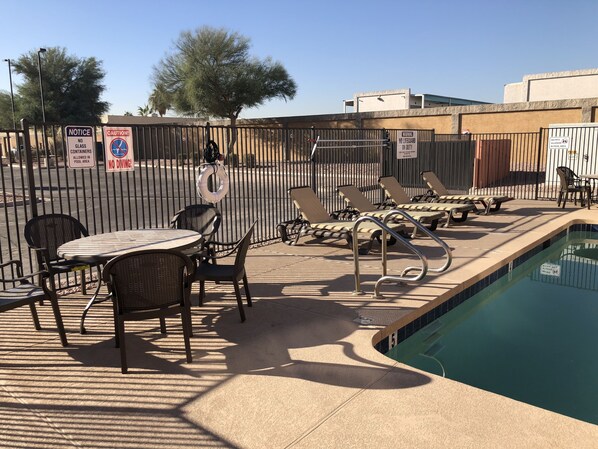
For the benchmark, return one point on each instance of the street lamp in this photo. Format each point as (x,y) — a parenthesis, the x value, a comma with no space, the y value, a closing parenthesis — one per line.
(12,97)
(41,84)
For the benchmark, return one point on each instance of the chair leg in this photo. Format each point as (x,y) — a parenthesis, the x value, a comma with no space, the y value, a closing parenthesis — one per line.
(34,316)
(115,313)
(246,285)
(162,325)
(189,319)
(202,291)
(123,353)
(83,283)
(58,318)
(239,301)
(187,333)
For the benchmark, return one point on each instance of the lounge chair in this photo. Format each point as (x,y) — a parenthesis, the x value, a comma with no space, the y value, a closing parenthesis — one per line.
(316,221)
(363,206)
(400,200)
(491,203)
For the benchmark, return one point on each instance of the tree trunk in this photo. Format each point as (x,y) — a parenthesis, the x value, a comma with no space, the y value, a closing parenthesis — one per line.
(233,136)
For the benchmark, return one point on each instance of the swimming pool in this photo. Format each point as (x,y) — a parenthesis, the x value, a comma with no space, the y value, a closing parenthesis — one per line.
(532,335)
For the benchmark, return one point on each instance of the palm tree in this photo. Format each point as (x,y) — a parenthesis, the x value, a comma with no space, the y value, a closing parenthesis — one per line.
(160,100)
(145,110)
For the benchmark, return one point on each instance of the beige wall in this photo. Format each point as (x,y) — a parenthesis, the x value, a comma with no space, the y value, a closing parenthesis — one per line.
(524,121)
(491,118)
(440,123)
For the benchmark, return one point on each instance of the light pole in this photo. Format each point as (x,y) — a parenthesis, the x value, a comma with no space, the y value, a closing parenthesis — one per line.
(12,97)
(41,83)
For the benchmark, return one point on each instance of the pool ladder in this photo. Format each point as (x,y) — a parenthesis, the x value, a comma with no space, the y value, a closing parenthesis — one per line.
(421,270)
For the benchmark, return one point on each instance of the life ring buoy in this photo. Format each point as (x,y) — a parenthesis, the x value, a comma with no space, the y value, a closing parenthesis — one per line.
(221,179)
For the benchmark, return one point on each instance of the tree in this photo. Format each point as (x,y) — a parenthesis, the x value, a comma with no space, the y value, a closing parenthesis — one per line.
(72,87)
(160,100)
(6,121)
(211,74)
(145,110)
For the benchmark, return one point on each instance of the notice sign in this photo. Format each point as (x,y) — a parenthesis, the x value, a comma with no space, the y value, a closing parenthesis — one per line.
(558,143)
(80,145)
(407,145)
(118,142)
(550,269)
(562,143)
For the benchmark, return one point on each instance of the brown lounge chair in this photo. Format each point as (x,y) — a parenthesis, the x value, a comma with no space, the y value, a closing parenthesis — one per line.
(400,200)
(491,203)
(360,203)
(316,221)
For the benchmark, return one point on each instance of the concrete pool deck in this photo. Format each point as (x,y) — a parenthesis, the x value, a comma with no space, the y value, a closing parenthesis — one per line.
(301,372)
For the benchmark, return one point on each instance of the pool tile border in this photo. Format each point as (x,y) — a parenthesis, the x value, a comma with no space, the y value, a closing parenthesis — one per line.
(386,344)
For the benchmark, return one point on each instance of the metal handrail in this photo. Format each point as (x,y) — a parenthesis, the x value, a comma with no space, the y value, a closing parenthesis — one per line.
(385,229)
(419,226)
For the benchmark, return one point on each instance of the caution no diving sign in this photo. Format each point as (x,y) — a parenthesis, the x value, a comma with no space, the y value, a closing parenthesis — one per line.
(118,143)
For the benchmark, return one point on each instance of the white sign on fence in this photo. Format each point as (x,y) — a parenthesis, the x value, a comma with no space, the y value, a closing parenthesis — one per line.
(562,143)
(407,145)
(80,146)
(118,143)
(559,143)
(550,269)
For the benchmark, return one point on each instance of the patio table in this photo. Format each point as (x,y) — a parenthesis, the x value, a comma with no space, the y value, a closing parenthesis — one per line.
(593,178)
(103,247)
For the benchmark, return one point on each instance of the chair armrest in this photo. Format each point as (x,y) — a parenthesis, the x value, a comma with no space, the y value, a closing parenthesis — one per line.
(19,268)
(388,202)
(348,213)
(425,197)
(16,262)
(45,257)
(213,243)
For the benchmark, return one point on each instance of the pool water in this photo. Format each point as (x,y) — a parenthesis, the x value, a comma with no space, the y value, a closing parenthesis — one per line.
(531,336)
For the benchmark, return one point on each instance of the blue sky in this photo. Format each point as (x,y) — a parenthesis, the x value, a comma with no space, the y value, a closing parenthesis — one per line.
(332,48)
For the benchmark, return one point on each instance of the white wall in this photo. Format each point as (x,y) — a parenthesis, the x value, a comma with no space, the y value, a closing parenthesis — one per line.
(553,86)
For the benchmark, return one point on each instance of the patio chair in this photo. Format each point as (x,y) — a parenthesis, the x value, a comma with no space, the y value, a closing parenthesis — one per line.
(317,222)
(202,218)
(572,184)
(24,293)
(490,203)
(234,272)
(398,199)
(45,233)
(149,284)
(358,202)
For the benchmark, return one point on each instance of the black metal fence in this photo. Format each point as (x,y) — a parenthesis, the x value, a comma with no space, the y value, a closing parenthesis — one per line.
(266,162)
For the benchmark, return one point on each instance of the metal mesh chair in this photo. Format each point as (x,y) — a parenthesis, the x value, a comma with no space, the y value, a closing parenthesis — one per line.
(570,183)
(232,272)
(44,234)
(150,284)
(202,218)
(24,293)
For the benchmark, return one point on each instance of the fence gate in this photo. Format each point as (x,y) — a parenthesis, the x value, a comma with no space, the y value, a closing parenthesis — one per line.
(342,157)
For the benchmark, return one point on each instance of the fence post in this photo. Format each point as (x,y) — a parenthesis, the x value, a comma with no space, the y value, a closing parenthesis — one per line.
(29,168)
(537,190)
(385,158)
(312,139)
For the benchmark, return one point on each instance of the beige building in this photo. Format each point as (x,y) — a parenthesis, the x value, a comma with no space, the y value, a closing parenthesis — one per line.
(553,86)
(400,99)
